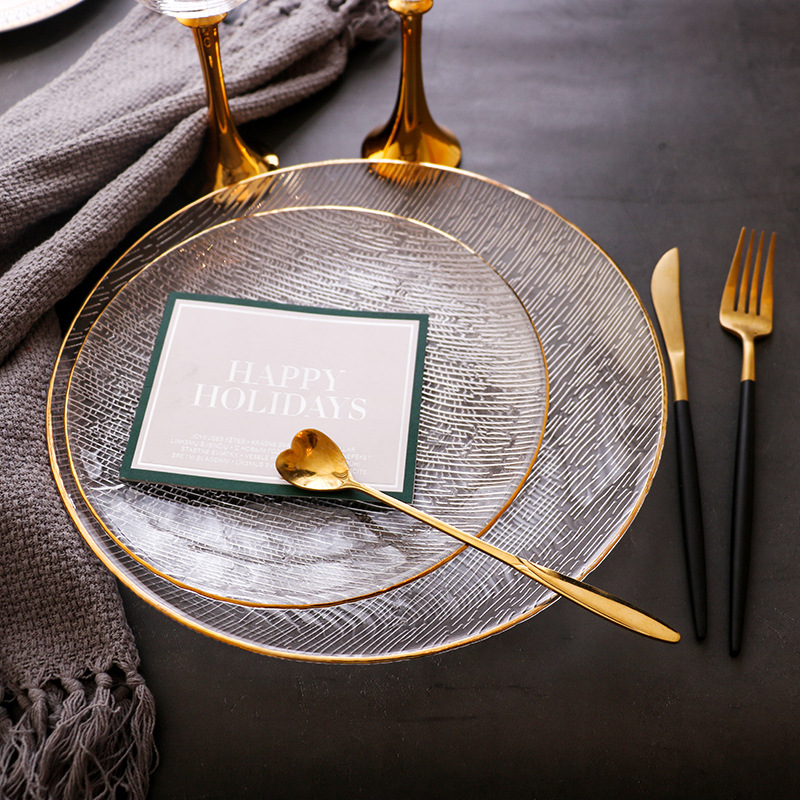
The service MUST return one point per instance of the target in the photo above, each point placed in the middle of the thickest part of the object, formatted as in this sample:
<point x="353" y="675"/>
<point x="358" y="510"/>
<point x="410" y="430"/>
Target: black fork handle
<point x="742" y="518"/>
<point x="691" y="517"/>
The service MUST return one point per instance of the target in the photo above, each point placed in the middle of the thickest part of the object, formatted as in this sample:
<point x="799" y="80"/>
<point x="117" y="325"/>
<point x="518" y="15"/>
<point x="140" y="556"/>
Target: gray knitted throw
<point x="81" y="162"/>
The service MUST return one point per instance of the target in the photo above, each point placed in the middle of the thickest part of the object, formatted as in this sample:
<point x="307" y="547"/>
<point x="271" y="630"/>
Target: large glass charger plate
<point x="482" y="413"/>
<point x="603" y="438"/>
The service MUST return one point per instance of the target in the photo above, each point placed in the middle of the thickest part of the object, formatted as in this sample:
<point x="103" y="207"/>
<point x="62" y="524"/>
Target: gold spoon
<point x="315" y="462"/>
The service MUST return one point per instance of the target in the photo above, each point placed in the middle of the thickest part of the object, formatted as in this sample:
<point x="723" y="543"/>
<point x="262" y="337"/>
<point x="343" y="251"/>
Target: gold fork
<point x="749" y="316"/>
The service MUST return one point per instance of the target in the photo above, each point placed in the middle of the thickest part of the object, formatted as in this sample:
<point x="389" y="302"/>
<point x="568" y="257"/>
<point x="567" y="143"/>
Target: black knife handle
<point x="691" y="517"/>
<point x="742" y="518"/>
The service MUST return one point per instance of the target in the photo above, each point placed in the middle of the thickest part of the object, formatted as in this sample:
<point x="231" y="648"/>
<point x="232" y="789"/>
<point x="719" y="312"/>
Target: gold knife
<point x="665" y="289"/>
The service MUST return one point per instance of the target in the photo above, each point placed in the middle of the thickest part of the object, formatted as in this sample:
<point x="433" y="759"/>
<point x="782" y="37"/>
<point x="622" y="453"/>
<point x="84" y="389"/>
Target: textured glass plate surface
<point x="603" y="438"/>
<point x="19" y="13"/>
<point x="482" y="415"/>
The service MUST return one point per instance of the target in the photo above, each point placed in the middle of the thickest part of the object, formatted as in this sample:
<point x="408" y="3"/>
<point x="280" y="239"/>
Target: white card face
<point x="231" y="382"/>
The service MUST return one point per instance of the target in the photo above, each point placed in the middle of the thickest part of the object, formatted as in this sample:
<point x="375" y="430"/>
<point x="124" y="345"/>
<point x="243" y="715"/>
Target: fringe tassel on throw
<point x="77" y="739"/>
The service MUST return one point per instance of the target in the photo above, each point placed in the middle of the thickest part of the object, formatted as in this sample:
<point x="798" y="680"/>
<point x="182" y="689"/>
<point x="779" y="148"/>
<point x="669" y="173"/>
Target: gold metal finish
<point x="315" y="462"/>
<point x="665" y="287"/>
<point x="741" y="312"/>
<point x="226" y="158"/>
<point x="411" y="133"/>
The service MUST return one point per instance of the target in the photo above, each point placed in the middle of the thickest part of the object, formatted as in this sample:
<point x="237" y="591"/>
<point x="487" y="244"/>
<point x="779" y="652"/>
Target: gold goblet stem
<point x="411" y="133"/>
<point x="226" y="158"/>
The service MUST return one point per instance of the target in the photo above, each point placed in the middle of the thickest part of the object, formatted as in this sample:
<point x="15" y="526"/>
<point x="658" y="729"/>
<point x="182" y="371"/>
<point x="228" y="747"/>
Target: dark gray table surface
<point x="649" y="125"/>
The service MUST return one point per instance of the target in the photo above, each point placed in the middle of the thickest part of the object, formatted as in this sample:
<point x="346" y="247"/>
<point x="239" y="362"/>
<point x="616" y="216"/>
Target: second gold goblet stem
<point x="411" y="133"/>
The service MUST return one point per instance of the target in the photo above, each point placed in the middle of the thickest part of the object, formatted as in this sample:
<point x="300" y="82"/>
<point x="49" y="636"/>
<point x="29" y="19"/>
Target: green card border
<point x="128" y="472"/>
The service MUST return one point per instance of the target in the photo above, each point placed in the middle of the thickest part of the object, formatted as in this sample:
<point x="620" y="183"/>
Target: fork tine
<point x="729" y="293"/>
<point x="766" y="290"/>
<point x="752" y="303"/>
<point x="741" y="300"/>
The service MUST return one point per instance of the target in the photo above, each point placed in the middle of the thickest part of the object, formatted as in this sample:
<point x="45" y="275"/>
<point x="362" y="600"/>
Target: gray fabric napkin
<point x="81" y="162"/>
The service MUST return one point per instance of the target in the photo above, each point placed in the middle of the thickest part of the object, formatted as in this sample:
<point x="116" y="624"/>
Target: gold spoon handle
<point x="591" y="598"/>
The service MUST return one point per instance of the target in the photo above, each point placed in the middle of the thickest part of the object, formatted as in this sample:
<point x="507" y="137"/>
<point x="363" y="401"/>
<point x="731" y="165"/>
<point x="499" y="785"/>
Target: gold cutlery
<point x="748" y="316"/>
<point x="315" y="462"/>
<point x="665" y="289"/>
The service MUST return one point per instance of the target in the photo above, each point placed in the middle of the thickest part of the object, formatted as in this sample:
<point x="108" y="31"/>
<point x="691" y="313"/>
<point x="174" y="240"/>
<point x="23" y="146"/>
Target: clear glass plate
<point x="19" y="13"/>
<point x="603" y="439"/>
<point x="482" y="415"/>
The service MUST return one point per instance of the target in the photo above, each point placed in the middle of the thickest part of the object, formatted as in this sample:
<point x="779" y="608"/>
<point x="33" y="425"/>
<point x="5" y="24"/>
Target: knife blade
<point x="665" y="290"/>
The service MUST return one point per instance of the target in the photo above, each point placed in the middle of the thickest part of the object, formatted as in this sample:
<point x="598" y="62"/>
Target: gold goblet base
<point x="411" y="133"/>
<point x="436" y="145"/>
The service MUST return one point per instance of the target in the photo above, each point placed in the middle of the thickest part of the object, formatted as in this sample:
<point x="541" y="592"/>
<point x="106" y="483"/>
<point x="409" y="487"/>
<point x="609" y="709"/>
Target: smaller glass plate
<point x="482" y="417"/>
